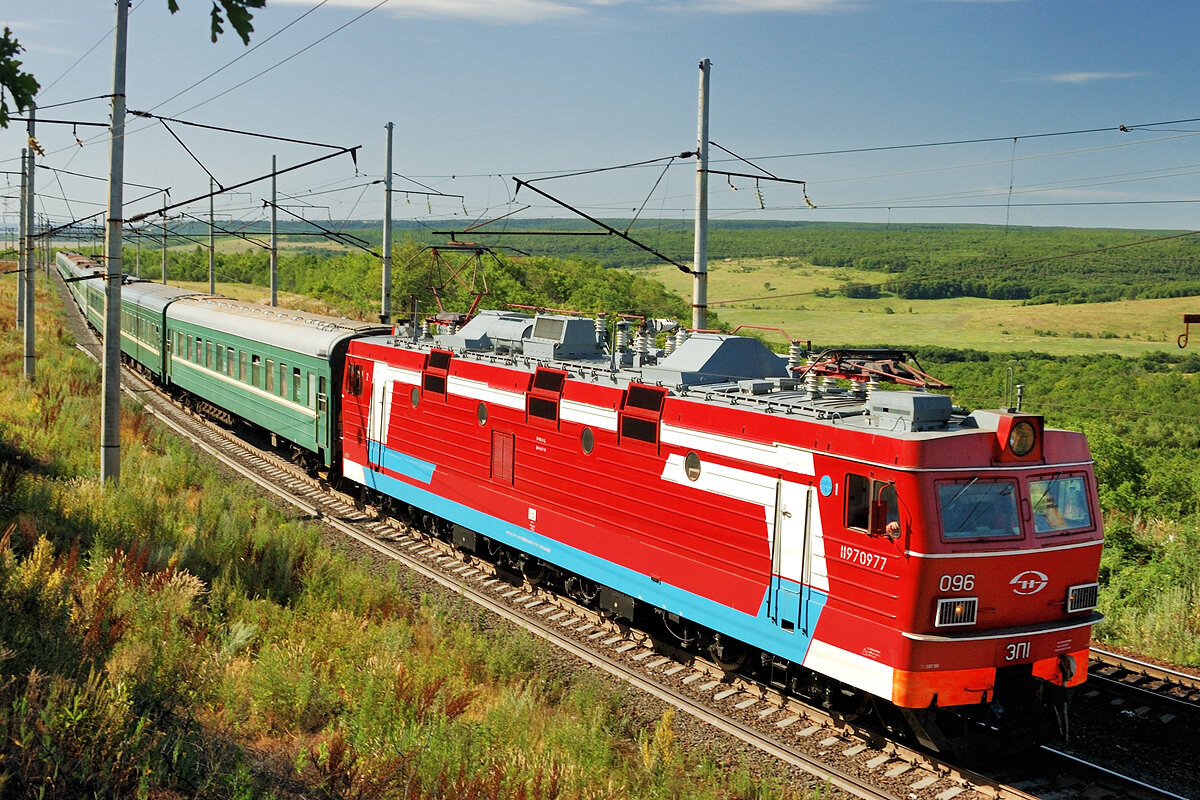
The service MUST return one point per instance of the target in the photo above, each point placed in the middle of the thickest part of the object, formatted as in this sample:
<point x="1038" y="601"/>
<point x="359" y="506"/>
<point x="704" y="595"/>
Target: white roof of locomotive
<point x="715" y="368"/>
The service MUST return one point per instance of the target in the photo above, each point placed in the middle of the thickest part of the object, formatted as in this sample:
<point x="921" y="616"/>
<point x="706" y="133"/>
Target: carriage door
<point x="788" y="555"/>
<point x="318" y="398"/>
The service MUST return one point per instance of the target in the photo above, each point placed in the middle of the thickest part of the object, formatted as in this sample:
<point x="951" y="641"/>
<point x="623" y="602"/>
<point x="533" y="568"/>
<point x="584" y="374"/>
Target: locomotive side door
<point x="789" y="555"/>
<point x="377" y="417"/>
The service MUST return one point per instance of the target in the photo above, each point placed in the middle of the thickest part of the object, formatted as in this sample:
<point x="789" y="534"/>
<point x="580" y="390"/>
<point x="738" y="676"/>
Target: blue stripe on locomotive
<point x="759" y="630"/>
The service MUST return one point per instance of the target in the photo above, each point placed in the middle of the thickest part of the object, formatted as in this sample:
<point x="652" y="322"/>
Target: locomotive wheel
<point x="533" y="570"/>
<point x="728" y="654"/>
<point x="583" y="590"/>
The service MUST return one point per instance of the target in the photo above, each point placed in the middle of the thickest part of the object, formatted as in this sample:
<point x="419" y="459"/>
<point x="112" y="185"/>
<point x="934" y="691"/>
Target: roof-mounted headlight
<point x="1022" y="438"/>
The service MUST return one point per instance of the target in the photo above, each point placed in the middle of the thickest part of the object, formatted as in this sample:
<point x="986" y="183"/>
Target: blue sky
<point x="482" y="90"/>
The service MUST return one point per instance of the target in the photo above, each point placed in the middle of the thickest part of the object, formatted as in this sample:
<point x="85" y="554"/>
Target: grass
<point x="178" y="636"/>
<point x="780" y="293"/>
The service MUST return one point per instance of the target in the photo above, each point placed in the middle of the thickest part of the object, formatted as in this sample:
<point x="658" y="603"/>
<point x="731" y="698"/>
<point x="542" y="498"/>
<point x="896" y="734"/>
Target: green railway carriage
<point x="279" y="369"/>
<point x="143" y="305"/>
<point x="143" y="323"/>
<point x="85" y="281"/>
<point x="276" y="368"/>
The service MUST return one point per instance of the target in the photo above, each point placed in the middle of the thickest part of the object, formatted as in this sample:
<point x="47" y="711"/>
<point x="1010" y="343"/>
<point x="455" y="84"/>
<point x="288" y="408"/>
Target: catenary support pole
<point x="700" y="253"/>
<point x="21" y="237"/>
<point x="26" y="275"/>
<point x="385" y="306"/>
<point x="212" y="241"/>
<point x="164" y="243"/>
<point x="274" y="241"/>
<point x="110" y="419"/>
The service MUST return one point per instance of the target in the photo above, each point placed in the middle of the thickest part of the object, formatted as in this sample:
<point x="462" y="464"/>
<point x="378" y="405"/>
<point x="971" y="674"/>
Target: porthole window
<point x="587" y="440"/>
<point x="481" y="414"/>
<point x="415" y="397"/>
<point x="691" y="465"/>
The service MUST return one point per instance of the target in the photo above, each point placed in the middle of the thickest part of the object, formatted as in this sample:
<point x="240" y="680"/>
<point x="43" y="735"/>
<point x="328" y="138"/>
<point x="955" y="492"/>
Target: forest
<point x="1031" y="264"/>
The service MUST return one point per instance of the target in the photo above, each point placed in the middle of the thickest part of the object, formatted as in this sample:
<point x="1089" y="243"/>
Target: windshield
<point x="1059" y="504"/>
<point x="978" y="509"/>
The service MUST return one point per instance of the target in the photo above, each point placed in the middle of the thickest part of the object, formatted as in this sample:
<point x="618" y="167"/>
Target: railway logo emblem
<point x="1029" y="582"/>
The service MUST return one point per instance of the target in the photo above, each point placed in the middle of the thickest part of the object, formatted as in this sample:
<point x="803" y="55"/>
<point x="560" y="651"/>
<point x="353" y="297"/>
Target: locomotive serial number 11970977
<point x="868" y="560"/>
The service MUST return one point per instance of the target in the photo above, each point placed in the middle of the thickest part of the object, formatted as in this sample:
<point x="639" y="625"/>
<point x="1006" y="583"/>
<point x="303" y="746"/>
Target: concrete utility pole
<point x="385" y="307"/>
<point x="212" y="242"/>
<point x="700" y="254"/>
<point x="20" y="248"/>
<point x="26" y="275"/>
<point x="274" y="241"/>
<point x="164" y="243"/>
<point x="110" y="421"/>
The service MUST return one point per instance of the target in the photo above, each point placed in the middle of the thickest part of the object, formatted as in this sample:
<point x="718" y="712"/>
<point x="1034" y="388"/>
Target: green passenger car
<point x="276" y="368"/>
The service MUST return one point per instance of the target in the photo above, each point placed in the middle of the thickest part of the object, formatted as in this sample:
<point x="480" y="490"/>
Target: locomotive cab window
<point x="1060" y="504"/>
<point x="871" y="505"/>
<point x="354" y="380"/>
<point x="978" y="509"/>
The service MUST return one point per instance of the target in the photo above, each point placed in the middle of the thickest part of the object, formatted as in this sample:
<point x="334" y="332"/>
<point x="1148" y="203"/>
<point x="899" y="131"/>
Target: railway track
<point x="861" y="764"/>
<point x="1151" y="688"/>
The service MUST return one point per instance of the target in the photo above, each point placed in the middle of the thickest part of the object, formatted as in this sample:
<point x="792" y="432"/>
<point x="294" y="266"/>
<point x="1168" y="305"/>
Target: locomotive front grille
<point x="956" y="611"/>
<point x="1083" y="597"/>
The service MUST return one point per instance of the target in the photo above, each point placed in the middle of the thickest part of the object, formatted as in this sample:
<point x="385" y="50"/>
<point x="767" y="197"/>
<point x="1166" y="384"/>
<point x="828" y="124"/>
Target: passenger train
<point x="864" y="544"/>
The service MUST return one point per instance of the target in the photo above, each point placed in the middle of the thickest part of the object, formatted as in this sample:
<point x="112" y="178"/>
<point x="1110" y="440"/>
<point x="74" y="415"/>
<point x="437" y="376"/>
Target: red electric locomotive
<point x="878" y="550"/>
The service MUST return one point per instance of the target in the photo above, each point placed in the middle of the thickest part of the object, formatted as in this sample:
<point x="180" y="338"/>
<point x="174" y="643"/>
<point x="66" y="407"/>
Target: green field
<point x="775" y="293"/>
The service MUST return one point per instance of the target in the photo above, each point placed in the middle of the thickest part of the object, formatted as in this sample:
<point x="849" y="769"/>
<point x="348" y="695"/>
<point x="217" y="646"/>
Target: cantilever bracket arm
<point x="1188" y="319"/>
<point x="525" y="184"/>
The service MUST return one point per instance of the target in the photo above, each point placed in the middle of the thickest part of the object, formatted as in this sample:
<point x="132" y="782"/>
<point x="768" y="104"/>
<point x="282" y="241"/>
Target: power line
<point x="245" y="53"/>
<point x="304" y="49"/>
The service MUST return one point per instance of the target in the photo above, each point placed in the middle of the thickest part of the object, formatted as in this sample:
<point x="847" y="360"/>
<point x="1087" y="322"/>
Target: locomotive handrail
<point x="1188" y="319"/>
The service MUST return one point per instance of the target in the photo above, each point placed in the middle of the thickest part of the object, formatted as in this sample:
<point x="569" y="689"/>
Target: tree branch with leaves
<point x="21" y="87"/>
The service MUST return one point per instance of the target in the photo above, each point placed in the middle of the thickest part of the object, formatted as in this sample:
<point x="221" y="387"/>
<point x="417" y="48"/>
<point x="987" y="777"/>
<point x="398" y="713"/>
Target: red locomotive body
<point x="862" y="544"/>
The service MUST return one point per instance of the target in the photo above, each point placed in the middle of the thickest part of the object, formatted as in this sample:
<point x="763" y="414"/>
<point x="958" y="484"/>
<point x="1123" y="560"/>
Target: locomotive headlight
<point x="1021" y="438"/>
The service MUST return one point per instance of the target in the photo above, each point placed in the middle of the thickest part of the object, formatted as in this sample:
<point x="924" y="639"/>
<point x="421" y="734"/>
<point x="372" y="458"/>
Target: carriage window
<point x="241" y="365"/>
<point x="1060" y="504"/>
<point x="229" y="360"/>
<point x="255" y="369"/>
<point x="283" y="380"/>
<point x="296" y="384"/>
<point x="978" y="509"/>
<point x="270" y="375"/>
